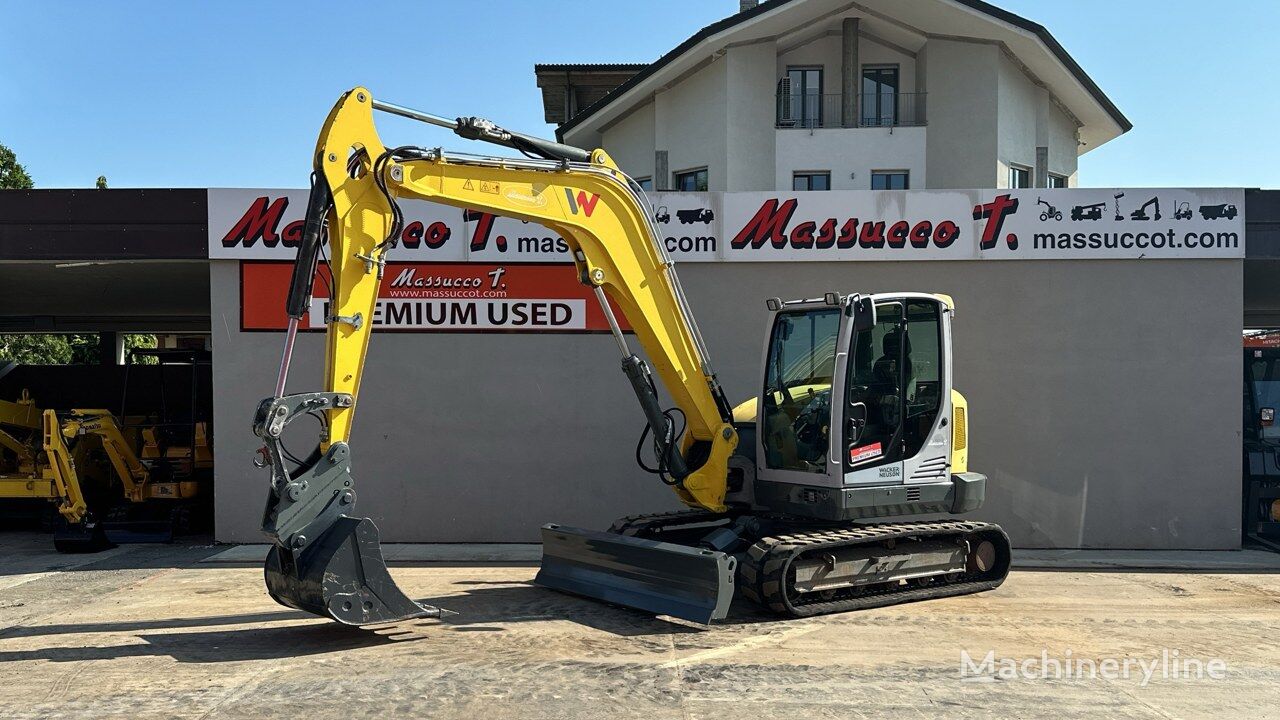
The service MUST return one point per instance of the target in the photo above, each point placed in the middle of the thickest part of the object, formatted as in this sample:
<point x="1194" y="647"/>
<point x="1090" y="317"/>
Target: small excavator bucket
<point x="86" y="536"/>
<point x="658" y="577"/>
<point x="341" y="576"/>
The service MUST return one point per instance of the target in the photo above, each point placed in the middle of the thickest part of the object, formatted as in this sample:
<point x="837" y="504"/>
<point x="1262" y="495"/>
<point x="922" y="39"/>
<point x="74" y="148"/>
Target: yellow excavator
<point x="856" y="419"/>
<point x="45" y="457"/>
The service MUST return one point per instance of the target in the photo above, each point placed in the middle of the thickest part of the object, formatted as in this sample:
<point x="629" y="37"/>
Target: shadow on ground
<point x="214" y="646"/>
<point x="481" y="607"/>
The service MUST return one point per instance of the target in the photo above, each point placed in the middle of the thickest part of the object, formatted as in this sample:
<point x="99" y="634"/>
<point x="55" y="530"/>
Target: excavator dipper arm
<point x="325" y="559"/>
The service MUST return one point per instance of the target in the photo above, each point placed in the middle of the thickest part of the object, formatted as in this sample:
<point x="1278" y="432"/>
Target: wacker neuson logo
<point x="1164" y="664"/>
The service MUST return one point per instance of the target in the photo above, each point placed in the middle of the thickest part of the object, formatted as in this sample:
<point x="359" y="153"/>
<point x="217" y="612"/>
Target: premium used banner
<point x="1064" y="224"/>
<point x="424" y="297"/>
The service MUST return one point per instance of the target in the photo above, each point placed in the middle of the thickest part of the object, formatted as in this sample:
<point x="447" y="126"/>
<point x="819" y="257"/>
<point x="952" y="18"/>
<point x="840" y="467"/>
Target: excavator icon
<point x="1141" y="213"/>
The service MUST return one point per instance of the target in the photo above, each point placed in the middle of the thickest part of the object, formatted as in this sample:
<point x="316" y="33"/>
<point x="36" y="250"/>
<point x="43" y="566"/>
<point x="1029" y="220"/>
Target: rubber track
<point x="764" y="573"/>
<point x="636" y="524"/>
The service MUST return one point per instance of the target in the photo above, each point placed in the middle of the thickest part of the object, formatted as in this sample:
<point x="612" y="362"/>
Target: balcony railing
<point x="884" y="109"/>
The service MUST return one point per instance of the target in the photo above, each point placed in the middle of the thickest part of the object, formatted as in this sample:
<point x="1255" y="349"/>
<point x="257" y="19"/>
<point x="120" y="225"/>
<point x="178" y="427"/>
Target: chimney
<point x="745" y="5"/>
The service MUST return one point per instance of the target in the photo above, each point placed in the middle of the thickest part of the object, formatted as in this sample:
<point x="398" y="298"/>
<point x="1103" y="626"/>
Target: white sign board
<point x="1062" y="224"/>
<point x="1113" y="223"/>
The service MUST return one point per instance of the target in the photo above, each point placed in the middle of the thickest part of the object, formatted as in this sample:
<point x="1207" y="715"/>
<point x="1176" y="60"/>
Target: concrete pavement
<point x="153" y="632"/>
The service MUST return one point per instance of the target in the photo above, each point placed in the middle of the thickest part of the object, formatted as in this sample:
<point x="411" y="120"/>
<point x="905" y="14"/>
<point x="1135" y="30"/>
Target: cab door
<point x="897" y="378"/>
<point x="871" y="442"/>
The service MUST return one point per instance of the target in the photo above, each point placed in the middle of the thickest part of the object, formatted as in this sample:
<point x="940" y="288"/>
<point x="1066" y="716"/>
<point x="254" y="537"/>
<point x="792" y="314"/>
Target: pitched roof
<point x="731" y="22"/>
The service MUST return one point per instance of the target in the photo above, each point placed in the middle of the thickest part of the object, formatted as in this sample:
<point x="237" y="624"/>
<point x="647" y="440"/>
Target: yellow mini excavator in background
<point x="84" y="464"/>
<point x="856" y="418"/>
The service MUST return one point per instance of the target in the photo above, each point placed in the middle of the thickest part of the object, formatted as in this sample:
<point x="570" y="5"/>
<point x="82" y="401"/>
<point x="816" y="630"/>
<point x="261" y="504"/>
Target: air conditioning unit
<point x="788" y="108"/>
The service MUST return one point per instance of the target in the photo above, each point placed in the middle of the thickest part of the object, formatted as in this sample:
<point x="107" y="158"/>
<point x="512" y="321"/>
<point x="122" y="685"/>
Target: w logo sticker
<point x="586" y="202"/>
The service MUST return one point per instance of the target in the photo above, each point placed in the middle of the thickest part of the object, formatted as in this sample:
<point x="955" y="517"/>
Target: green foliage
<point x="132" y="342"/>
<point x="49" y="349"/>
<point x="75" y="349"/>
<point x="102" y="182"/>
<point x="12" y="175"/>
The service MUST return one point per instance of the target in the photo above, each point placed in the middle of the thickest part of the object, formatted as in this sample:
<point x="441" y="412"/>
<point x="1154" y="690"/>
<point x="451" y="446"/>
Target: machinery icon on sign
<point x="1088" y="212"/>
<point x="1141" y="213"/>
<point x="689" y="217"/>
<point x="1214" y="212"/>
<point x="661" y="215"/>
<point x="1049" y="211"/>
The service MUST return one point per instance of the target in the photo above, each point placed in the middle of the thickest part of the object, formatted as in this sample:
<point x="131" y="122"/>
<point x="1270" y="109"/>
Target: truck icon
<point x="702" y="215"/>
<point x="1088" y="212"/>
<point x="1213" y="212"/>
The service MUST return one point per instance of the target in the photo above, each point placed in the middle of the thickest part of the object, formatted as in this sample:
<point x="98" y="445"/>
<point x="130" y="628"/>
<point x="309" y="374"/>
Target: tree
<point x="49" y="349"/>
<point x="102" y="182"/>
<point x="68" y="349"/>
<point x="12" y="175"/>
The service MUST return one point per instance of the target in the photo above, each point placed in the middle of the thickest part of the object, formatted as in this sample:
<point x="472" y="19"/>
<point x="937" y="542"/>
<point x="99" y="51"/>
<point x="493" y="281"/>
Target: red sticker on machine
<point x="864" y="453"/>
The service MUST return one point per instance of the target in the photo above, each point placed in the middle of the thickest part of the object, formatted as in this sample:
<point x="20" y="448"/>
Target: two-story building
<point x="830" y="94"/>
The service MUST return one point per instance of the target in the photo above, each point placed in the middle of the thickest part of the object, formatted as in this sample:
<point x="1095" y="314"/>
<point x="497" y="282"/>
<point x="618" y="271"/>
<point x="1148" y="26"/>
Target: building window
<point x="811" y="181"/>
<point x="1057" y="181"/>
<point x="691" y="180"/>
<point x="890" y="180"/>
<point x="879" y="97"/>
<point x="1019" y="177"/>
<point x="645" y="183"/>
<point x="800" y="97"/>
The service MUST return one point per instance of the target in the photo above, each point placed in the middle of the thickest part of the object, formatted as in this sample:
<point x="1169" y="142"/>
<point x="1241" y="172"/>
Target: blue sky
<point x="231" y="93"/>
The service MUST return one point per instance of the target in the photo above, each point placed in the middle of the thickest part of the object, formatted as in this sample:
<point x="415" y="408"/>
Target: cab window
<point x="796" y="418"/>
<point x="924" y="373"/>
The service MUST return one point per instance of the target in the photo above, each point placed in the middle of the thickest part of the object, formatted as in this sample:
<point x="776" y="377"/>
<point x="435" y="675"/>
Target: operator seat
<point x="885" y="391"/>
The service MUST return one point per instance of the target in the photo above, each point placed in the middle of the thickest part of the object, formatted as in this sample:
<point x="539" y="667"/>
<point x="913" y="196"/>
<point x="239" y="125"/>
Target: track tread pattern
<point x="771" y="558"/>
<point x="763" y="572"/>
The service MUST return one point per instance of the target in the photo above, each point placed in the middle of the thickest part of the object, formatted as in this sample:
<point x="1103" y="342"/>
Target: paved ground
<point x="151" y="632"/>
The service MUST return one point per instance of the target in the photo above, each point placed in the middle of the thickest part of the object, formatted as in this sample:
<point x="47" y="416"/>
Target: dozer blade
<point x="341" y="575"/>
<point x="658" y="577"/>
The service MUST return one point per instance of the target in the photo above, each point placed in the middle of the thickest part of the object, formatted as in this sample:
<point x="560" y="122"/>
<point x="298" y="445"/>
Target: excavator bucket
<point x="86" y="536"/>
<point x="342" y="576"/>
<point x="658" y="577"/>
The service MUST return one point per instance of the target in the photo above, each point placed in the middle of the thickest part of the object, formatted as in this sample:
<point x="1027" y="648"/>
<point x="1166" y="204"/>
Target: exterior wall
<point x="1028" y="118"/>
<point x="1059" y="135"/>
<point x="850" y="154"/>
<point x="630" y="142"/>
<point x="961" y="146"/>
<point x="1017" y="103"/>
<point x="1102" y="418"/>
<point x="691" y="123"/>
<point x="751" y="94"/>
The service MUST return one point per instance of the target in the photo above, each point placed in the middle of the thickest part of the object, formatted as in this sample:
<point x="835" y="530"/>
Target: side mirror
<point x="864" y="313"/>
<point x="855" y="421"/>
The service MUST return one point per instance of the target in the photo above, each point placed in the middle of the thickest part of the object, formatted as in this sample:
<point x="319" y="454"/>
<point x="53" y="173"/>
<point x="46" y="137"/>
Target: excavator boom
<point x="324" y="558"/>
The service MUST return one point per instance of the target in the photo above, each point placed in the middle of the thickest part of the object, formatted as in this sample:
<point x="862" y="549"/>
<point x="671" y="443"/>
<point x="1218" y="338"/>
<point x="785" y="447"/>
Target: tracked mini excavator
<point x="798" y="499"/>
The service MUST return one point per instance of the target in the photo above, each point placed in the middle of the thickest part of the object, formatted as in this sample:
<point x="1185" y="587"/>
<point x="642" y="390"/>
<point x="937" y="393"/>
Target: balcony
<point x="867" y="110"/>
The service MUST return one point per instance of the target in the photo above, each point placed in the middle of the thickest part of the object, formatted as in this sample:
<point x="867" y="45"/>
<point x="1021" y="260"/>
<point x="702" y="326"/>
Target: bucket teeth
<point x="341" y="575"/>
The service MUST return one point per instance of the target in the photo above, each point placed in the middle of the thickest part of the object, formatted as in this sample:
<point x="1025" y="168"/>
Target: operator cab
<point x="855" y="416"/>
